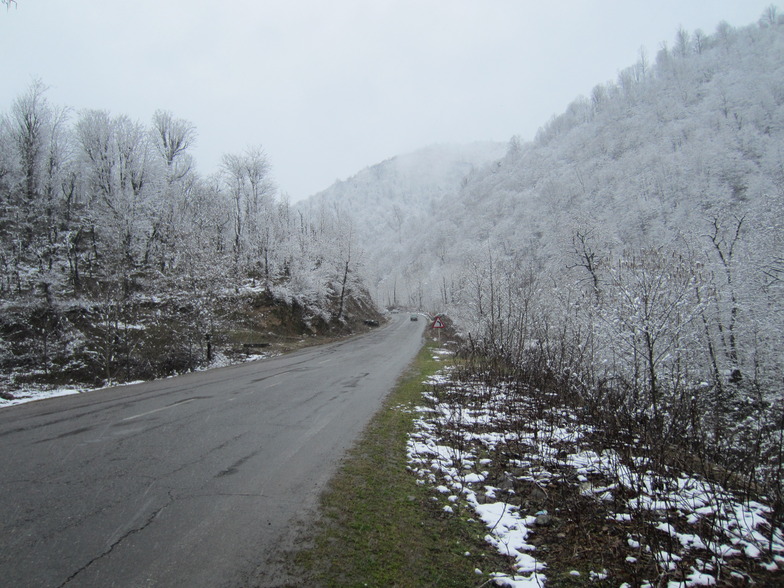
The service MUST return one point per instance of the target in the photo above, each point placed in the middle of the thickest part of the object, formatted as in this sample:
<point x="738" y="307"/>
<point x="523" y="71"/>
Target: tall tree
<point x="28" y="122"/>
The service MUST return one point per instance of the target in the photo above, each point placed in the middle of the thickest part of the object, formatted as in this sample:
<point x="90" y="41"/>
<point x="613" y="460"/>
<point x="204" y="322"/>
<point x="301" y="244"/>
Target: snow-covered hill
<point x="630" y="257"/>
<point x="679" y="159"/>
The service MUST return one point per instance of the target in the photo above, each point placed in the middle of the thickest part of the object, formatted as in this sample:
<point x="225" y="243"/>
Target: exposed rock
<point x="543" y="520"/>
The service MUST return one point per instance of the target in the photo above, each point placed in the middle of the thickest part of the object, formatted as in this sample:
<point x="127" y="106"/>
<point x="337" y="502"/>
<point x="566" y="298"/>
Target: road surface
<point x="190" y="481"/>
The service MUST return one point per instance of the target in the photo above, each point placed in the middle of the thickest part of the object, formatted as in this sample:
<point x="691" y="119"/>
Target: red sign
<point x="438" y="323"/>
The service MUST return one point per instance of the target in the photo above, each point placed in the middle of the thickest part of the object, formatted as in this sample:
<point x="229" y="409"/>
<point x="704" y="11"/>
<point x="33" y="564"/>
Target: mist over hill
<point x="391" y="203"/>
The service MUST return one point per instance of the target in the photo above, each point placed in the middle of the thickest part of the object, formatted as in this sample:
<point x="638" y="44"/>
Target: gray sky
<point x="329" y="87"/>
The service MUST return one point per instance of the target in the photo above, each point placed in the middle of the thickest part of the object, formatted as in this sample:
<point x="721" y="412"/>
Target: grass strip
<point x="378" y="527"/>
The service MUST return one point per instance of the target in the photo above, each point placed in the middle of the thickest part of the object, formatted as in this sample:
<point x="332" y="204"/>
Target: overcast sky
<point x="328" y="87"/>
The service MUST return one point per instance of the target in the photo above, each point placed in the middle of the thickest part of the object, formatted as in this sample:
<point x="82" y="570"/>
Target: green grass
<point x="378" y="527"/>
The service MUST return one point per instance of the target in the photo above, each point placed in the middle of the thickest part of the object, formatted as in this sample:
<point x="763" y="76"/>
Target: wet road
<point x="190" y="481"/>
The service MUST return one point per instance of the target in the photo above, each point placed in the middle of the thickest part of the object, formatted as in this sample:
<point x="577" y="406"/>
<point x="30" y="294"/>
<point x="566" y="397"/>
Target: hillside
<point x="683" y="154"/>
<point x="619" y="281"/>
<point x="692" y="134"/>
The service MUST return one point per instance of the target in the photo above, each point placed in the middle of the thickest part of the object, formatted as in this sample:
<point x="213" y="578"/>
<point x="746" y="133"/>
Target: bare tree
<point x="682" y="42"/>
<point x="649" y="312"/>
<point x="234" y="178"/>
<point x="725" y="242"/>
<point x="116" y="159"/>
<point x="173" y="137"/>
<point x="346" y="269"/>
<point x="699" y="41"/>
<point x="246" y="177"/>
<point x="586" y="258"/>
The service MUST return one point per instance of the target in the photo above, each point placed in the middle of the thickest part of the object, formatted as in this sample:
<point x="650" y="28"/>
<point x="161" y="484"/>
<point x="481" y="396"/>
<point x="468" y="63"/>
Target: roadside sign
<point x="437" y="324"/>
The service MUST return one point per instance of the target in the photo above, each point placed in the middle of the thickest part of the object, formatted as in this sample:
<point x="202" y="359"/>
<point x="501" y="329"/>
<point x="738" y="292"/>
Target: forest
<point x="625" y="267"/>
<point x="119" y="262"/>
<point x="635" y="245"/>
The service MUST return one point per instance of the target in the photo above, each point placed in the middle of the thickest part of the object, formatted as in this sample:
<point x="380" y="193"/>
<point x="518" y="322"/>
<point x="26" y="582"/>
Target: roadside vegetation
<point x="618" y="283"/>
<point x="575" y="498"/>
<point x="482" y="471"/>
<point x="87" y="344"/>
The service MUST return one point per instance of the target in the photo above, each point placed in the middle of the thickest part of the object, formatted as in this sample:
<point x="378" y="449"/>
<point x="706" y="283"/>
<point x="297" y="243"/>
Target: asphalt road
<point x="190" y="481"/>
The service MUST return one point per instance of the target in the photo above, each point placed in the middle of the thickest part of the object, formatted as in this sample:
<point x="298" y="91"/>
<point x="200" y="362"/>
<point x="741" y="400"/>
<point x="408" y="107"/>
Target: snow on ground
<point x="453" y="471"/>
<point x="695" y="529"/>
<point x="22" y="396"/>
<point x="31" y="394"/>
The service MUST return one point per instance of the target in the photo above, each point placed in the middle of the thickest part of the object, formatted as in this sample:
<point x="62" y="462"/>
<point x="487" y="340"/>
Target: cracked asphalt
<point x="189" y="481"/>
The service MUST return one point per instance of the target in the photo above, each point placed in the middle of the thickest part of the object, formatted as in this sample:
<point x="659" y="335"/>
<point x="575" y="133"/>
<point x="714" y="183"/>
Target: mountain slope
<point x="632" y="255"/>
<point x="622" y="275"/>
<point x="654" y="157"/>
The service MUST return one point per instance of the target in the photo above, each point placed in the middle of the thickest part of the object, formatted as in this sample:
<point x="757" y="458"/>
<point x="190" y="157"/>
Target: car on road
<point x="414" y="317"/>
